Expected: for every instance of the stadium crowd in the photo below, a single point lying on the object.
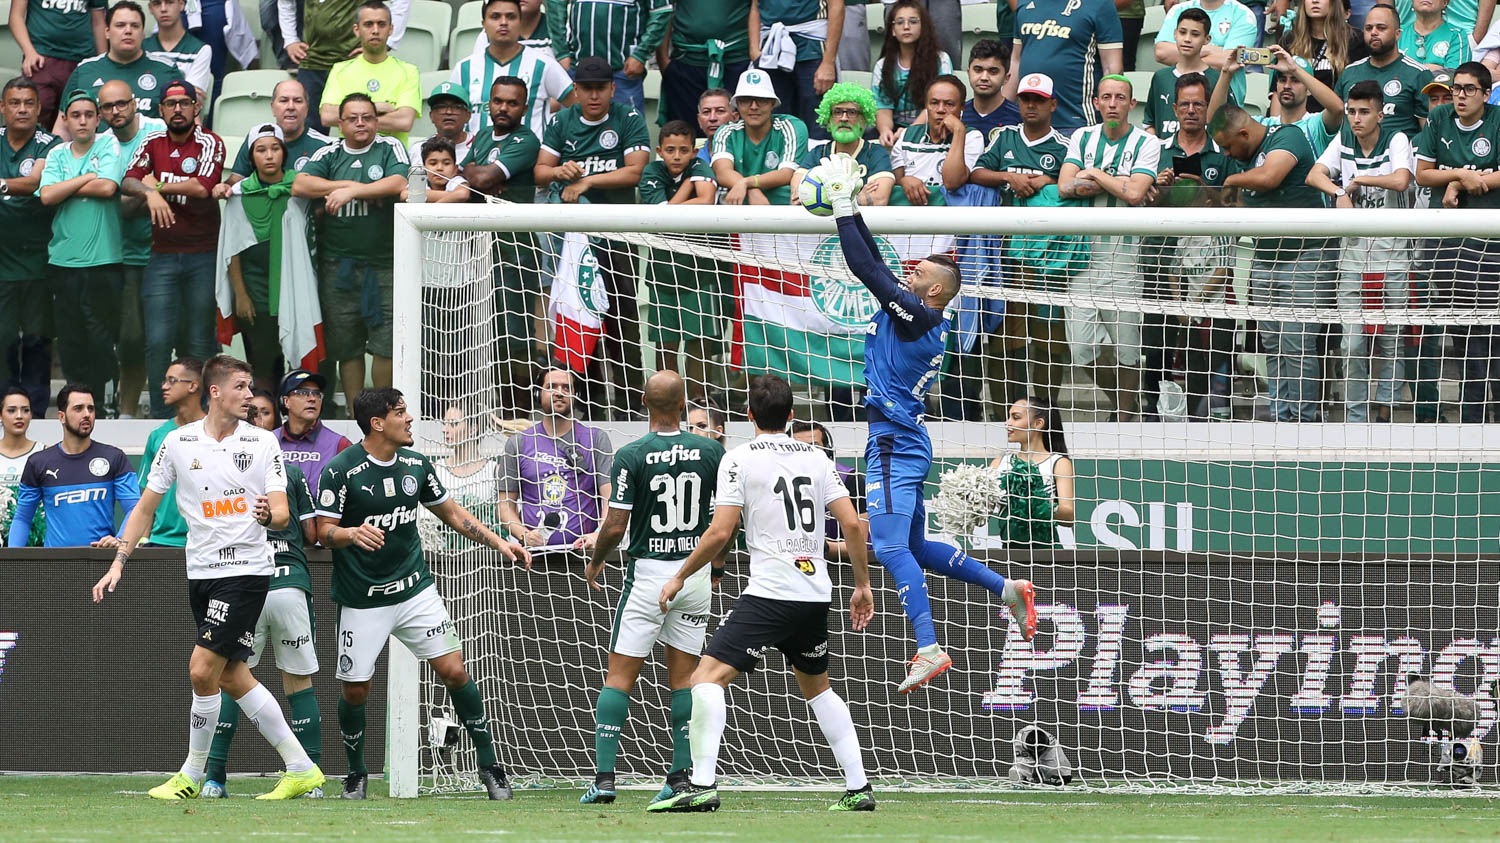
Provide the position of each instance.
(137, 235)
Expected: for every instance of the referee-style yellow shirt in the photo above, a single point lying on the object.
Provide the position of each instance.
(392, 80)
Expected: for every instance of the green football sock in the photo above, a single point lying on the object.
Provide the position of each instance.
(609, 716)
(218, 754)
(682, 712)
(352, 727)
(469, 707)
(307, 723)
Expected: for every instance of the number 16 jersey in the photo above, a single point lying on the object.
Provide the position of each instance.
(784, 488)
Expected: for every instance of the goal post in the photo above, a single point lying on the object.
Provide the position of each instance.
(1236, 604)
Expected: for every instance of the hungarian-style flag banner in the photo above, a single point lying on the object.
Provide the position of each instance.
(578, 304)
(802, 313)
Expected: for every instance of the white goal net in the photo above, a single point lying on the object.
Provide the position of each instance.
(1283, 509)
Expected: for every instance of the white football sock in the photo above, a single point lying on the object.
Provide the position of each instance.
(265, 713)
(838, 729)
(1008, 592)
(705, 731)
(202, 724)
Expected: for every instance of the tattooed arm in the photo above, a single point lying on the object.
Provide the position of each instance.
(452, 513)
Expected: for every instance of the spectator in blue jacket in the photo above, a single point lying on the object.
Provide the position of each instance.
(77, 481)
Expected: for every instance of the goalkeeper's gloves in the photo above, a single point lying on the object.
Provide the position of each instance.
(843, 178)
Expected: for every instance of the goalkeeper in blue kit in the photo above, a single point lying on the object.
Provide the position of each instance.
(904, 345)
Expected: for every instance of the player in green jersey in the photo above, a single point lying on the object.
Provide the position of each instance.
(367, 514)
(285, 625)
(359, 181)
(663, 489)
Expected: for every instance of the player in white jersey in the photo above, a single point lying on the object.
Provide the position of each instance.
(233, 487)
(782, 487)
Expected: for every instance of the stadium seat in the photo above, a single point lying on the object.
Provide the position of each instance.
(426, 34)
(8, 73)
(861, 78)
(245, 100)
(465, 27)
(232, 144)
(978, 23)
(431, 79)
(651, 89)
(1140, 84)
(1145, 47)
(1258, 90)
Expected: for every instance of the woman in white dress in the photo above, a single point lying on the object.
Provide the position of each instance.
(1038, 478)
(15, 448)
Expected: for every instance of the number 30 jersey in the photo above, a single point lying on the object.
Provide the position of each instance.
(784, 488)
(666, 481)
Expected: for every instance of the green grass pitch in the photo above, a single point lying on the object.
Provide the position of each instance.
(116, 808)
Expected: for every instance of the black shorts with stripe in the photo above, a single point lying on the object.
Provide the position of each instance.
(226, 611)
(756, 624)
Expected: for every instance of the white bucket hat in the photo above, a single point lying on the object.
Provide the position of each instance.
(756, 83)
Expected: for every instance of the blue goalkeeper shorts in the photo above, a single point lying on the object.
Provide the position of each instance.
(897, 462)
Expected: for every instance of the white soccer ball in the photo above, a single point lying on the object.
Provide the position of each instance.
(813, 193)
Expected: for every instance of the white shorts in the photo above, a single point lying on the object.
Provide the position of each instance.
(639, 623)
(421, 622)
(1113, 272)
(286, 623)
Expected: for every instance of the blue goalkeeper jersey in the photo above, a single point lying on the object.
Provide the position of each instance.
(904, 341)
(78, 493)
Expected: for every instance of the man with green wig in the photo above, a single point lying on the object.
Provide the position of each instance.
(846, 111)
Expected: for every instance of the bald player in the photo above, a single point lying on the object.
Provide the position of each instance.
(662, 493)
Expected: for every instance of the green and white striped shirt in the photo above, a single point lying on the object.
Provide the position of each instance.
(610, 29)
(545, 81)
(1134, 153)
(1345, 161)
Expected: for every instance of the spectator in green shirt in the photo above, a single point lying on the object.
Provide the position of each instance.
(358, 180)
(181, 390)
(126, 60)
(707, 46)
(80, 181)
(28, 227)
(595, 151)
(1272, 168)
(54, 38)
